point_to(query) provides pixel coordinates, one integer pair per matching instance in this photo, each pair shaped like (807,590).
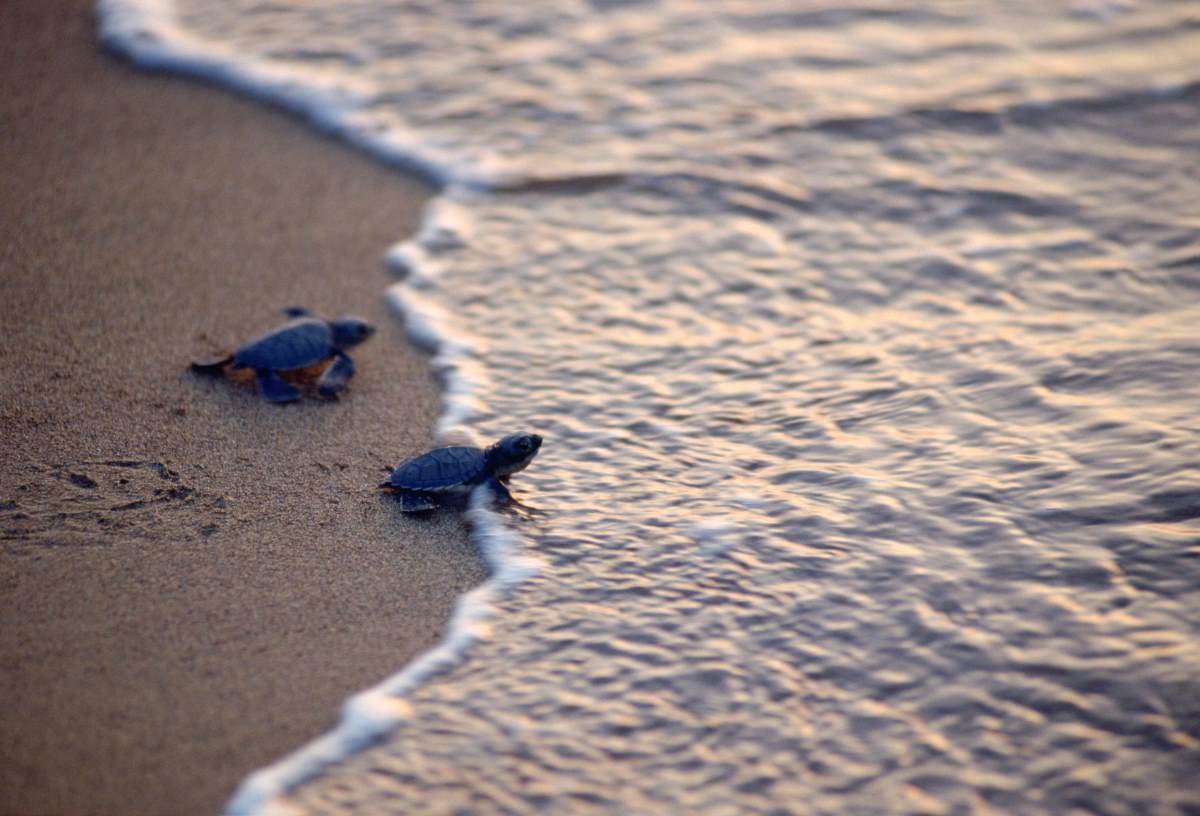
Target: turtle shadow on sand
(512,508)
(300,346)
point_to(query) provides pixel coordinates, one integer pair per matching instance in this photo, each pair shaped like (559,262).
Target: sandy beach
(191,580)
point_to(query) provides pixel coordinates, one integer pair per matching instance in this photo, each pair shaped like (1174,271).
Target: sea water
(865,341)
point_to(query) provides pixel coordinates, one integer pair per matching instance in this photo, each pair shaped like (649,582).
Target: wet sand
(191,580)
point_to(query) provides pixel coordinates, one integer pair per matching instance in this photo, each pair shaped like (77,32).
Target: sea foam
(864,336)
(371,714)
(146,32)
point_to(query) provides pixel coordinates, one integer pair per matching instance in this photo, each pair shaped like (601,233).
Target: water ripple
(863,340)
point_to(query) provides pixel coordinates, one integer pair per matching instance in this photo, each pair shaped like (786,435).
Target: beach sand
(191,580)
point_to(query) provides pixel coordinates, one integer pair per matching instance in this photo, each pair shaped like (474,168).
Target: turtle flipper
(296,311)
(273,388)
(336,375)
(212,365)
(415,502)
(499,492)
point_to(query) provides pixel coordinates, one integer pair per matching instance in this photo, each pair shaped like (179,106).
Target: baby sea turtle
(304,340)
(447,472)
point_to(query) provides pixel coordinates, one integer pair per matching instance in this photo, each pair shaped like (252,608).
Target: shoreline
(194,581)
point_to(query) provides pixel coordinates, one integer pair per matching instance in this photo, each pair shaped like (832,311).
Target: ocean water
(865,341)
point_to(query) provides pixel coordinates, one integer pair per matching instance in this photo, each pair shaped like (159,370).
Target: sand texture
(191,580)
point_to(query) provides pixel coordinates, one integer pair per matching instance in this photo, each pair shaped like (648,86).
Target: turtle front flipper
(336,376)
(296,311)
(212,365)
(273,388)
(415,502)
(500,493)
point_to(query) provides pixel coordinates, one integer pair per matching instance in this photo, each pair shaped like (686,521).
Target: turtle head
(350,331)
(512,453)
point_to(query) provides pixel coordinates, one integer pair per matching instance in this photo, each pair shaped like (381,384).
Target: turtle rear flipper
(336,376)
(273,388)
(212,365)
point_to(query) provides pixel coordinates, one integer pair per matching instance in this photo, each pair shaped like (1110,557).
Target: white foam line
(372,714)
(145,31)
(427,323)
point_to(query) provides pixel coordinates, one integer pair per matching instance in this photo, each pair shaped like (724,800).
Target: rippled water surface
(865,340)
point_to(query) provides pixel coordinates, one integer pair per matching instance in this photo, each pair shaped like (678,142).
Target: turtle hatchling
(421,482)
(304,340)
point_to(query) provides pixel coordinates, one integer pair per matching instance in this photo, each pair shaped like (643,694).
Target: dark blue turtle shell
(441,469)
(298,343)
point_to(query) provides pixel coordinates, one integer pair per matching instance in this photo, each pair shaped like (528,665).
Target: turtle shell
(296,344)
(438,470)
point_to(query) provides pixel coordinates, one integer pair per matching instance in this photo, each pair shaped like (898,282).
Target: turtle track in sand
(97,503)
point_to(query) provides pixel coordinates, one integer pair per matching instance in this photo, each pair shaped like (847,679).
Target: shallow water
(864,341)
